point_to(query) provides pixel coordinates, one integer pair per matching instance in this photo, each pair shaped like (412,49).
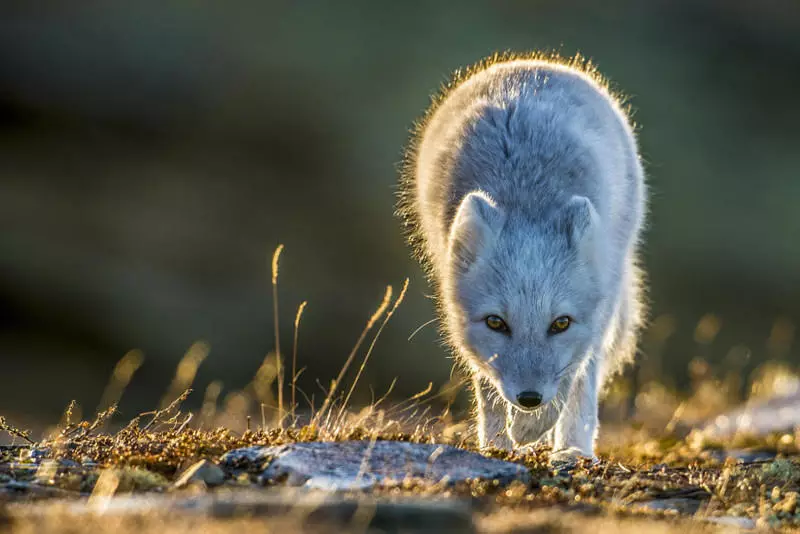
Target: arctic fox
(525,194)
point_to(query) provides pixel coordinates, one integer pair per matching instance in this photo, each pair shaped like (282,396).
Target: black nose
(529,399)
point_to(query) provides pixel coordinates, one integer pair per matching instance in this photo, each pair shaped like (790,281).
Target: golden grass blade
(421,327)
(297,318)
(279,363)
(120,378)
(423,392)
(208,412)
(397,302)
(262,382)
(447,391)
(370,323)
(385,395)
(185,372)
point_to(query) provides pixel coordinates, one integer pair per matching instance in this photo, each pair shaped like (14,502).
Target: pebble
(203,473)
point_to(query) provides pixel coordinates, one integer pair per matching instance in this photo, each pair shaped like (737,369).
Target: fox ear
(474,227)
(581,222)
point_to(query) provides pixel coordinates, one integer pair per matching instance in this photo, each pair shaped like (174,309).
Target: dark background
(153,154)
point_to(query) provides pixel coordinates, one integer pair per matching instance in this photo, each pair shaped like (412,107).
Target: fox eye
(561,324)
(496,323)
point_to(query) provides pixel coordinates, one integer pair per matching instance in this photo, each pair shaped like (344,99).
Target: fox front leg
(491,417)
(576,429)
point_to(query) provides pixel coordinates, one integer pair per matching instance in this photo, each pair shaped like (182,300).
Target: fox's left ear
(582,224)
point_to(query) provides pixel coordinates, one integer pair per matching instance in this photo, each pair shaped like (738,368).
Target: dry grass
(637,467)
(658,454)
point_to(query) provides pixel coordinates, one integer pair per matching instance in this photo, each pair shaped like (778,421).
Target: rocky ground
(162,475)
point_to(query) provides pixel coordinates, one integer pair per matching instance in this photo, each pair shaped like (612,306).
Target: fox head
(522,296)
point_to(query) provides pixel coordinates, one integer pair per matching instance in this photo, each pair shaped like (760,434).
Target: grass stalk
(388,316)
(279,362)
(297,318)
(335,384)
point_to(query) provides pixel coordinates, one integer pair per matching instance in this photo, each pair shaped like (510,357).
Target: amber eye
(496,323)
(560,325)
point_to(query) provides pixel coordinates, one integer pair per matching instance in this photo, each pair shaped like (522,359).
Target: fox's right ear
(474,227)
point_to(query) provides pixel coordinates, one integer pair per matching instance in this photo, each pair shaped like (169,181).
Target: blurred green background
(153,154)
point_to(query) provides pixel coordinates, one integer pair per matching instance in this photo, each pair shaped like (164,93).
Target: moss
(782,470)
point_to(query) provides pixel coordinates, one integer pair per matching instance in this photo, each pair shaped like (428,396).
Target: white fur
(527,191)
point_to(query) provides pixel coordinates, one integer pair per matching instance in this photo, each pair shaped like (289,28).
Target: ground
(643,483)
(706,461)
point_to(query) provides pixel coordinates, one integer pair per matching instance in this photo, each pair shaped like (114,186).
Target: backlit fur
(524,197)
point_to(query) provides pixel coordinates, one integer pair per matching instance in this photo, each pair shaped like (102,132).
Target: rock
(362,464)
(777,414)
(681,505)
(203,472)
(742,456)
(744,523)
(38,454)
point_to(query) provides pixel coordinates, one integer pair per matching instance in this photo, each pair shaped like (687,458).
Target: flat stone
(203,472)
(349,465)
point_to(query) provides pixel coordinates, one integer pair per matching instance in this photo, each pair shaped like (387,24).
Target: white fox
(524,190)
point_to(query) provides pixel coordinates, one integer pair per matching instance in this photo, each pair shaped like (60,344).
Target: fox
(524,197)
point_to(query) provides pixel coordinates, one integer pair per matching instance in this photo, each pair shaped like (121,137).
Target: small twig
(185,422)
(173,420)
(100,419)
(309,400)
(69,427)
(68,413)
(169,409)
(14,431)
(133,425)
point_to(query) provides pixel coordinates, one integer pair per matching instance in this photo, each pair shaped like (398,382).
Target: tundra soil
(149,480)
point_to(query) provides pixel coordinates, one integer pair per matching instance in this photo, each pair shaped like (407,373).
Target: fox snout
(528,398)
